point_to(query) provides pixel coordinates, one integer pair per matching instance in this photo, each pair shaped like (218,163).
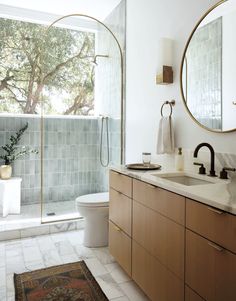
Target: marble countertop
(219,193)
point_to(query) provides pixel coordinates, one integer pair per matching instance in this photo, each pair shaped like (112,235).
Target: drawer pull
(118,229)
(216,247)
(215,210)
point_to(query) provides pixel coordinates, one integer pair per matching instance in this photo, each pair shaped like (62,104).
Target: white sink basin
(184,179)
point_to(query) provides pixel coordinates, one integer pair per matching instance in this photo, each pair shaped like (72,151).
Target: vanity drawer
(190,295)
(167,203)
(155,280)
(210,269)
(160,236)
(120,247)
(120,208)
(121,183)
(212,223)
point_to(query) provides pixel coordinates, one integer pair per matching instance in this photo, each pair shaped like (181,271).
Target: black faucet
(212,171)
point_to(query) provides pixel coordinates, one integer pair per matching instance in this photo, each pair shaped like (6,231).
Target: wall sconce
(165,62)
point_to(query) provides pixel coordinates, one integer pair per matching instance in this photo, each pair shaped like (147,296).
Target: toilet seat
(93,200)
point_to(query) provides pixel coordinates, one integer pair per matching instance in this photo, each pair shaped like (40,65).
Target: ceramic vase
(5,172)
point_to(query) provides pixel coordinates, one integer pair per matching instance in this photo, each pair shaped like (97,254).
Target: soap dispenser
(179,160)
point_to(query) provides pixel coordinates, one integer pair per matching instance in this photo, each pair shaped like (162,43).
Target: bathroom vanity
(177,242)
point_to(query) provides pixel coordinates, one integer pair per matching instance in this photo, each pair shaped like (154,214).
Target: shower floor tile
(31,215)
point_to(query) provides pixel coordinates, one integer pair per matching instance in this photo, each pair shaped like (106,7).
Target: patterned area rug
(67,282)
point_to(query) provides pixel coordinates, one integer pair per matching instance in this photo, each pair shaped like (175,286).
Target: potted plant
(12,152)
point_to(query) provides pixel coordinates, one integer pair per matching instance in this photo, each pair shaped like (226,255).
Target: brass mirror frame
(182,67)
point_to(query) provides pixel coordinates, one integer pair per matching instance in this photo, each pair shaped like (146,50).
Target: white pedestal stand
(10,194)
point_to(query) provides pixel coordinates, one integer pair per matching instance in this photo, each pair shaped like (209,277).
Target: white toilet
(95,209)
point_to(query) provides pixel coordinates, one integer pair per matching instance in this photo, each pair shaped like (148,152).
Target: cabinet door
(120,247)
(120,207)
(160,236)
(214,224)
(190,295)
(210,269)
(121,183)
(167,203)
(157,282)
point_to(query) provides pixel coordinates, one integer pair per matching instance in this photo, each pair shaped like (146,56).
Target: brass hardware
(215,210)
(216,247)
(166,77)
(182,69)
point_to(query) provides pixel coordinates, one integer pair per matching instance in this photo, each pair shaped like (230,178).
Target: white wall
(147,21)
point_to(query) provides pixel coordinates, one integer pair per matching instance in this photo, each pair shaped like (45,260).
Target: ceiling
(96,8)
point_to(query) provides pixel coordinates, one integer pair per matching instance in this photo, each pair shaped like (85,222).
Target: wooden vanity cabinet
(160,236)
(210,269)
(165,202)
(120,247)
(154,278)
(158,242)
(120,210)
(174,248)
(214,224)
(210,252)
(121,183)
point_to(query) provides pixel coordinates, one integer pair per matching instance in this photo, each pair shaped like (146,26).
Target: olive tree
(47,69)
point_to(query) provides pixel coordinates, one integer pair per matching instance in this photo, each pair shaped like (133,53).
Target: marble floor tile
(109,286)
(51,257)
(32,254)
(75,237)
(45,243)
(57,237)
(103,255)
(10,286)
(117,273)
(64,248)
(29,254)
(84,252)
(3,279)
(96,267)
(16,265)
(34,265)
(133,292)
(69,258)
(29,242)
(3,293)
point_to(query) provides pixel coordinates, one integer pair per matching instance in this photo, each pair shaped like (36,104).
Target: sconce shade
(165,62)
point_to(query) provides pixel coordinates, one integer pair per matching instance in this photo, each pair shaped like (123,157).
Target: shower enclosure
(74,107)
(76,150)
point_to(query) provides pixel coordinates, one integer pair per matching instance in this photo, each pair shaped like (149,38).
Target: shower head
(94,61)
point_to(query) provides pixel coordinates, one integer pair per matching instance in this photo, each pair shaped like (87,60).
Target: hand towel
(165,141)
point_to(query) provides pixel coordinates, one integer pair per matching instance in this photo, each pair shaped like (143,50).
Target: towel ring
(170,103)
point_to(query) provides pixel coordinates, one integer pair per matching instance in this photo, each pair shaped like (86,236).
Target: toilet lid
(100,199)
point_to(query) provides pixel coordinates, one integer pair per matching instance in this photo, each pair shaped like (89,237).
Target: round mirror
(208,70)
